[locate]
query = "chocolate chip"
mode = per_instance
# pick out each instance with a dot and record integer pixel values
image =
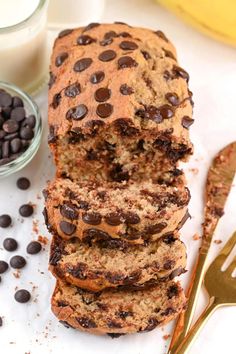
(17, 262)
(169, 264)
(2, 134)
(113, 324)
(110, 34)
(69, 211)
(10, 244)
(67, 228)
(22, 296)
(52, 79)
(3, 267)
(113, 219)
(18, 114)
(128, 45)
(169, 54)
(180, 72)
(156, 228)
(126, 62)
(105, 42)
(152, 323)
(97, 77)
(64, 323)
(85, 322)
(150, 112)
(172, 291)
(82, 64)
(10, 126)
(26, 133)
(168, 311)
(166, 75)
(15, 145)
(124, 34)
(52, 137)
(117, 174)
(5, 99)
(104, 110)
(34, 247)
(90, 26)
(64, 33)
(73, 90)
(172, 98)
(77, 113)
(5, 220)
(102, 94)
(161, 35)
(187, 122)
(85, 40)
(56, 100)
(92, 218)
(30, 121)
(166, 111)
(26, 210)
(131, 218)
(124, 314)
(126, 90)
(5, 149)
(91, 234)
(125, 127)
(23, 183)
(107, 55)
(145, 54)
(61, 58)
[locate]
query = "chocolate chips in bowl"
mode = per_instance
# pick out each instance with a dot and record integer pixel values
(20, 129)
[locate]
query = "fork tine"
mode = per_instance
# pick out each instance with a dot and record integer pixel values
(221, 258)
(232, 266)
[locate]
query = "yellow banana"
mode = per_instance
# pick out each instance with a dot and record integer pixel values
(217, 18)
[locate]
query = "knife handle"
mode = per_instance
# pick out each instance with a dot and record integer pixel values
(184, 320)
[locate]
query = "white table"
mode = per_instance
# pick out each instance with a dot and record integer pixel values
(31, 328)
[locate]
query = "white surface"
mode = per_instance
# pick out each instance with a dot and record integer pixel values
(13, 11)
(212, 68)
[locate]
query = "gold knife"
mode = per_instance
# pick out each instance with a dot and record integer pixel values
(219, 181)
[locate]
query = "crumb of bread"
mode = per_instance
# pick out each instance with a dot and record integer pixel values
(166, 336)
(217, 242)
(196, 237)
(43, 239)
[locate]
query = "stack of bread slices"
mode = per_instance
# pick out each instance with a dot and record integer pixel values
(119, 118)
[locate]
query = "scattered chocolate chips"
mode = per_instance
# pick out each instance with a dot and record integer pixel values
(84, 39)
(52, 79)
(17, 262)
(131, 218)
(23, 183)
(152, 323)
(90, 26)
(125, 127)
(104, 110)
(3, 267)
(90, 234)
(124, 34)
(67, 228)
(97, 77)
(26, 133)
(10, 126)
(166, 111)
(172, 98)
(77, 113)
(10, 244)
(114, 219)
(102, 94)
(26, 210)
(73, 90)
(187, 122)
(150, 112)
(5, 99)
(5, 220)
(56, 100)
(64, 33)
(169, 54)
(126, 90)
(34, 247)
(128, 45)
(105, 42)
(124, 314)
(52, 137)
(18, 113)
(92, 218)
(82, 64)
(126, 62)
(85, 322)
(156, 228)
(107, 55)
(145, 54)
(110, 34)
(61, 58)
(69, 211)
(180, 72)
(172, 291)
(161, 35)
(22, 296)
(169, 264)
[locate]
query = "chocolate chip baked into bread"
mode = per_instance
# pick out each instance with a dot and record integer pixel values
(119, 104)
(117, 311)
(134, 211)
(108, 264)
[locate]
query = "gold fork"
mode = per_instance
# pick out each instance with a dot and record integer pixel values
(221, 287)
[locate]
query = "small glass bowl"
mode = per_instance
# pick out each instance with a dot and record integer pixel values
(31, 108)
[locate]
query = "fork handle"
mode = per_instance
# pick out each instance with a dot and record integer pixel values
(194, 331)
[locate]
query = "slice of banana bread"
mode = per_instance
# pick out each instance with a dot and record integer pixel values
(117, 101)
(112, 264)
(134, 212)
(117, 311)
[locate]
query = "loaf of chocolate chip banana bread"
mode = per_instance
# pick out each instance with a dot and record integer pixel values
(106, 264)
(131, 211)
(115, 311)
(119, 104)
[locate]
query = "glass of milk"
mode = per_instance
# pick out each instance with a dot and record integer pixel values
(23, 43)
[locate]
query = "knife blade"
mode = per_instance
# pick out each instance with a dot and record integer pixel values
(218, 185)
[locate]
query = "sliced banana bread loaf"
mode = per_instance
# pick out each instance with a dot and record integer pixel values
(134, 212)
(118, 101)
(115, 311)
(112, 263)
